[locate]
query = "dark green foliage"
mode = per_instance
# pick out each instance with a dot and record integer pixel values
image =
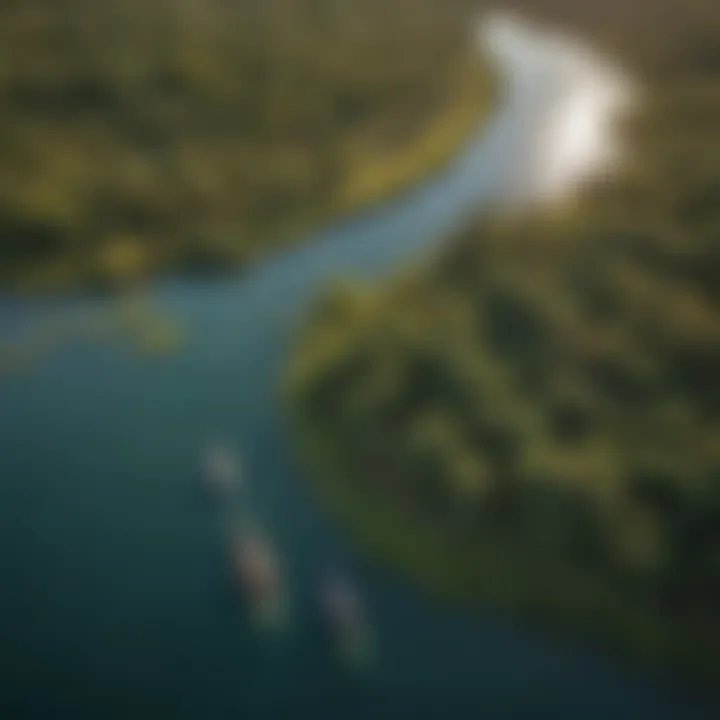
(563, 379)
(138, 136)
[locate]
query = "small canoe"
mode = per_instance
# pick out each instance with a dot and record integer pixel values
(342, 614)
(220, 468)
(257, 573)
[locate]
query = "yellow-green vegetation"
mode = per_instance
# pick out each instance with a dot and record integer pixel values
(379, 168)
(147, 330)
(138, 137)
(531, 419)
(129, 318)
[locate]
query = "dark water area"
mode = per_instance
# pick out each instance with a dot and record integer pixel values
(115, 595)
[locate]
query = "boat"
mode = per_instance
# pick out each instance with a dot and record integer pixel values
(342, 615)
(220, 468)
(257, 574)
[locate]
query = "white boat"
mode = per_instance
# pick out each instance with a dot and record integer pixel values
(343, 616)
(256, 571)
(220, 468)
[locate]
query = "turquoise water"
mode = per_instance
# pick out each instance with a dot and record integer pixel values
(115, 599)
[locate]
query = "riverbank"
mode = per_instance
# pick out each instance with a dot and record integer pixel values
(130, 319)
(241, 130)
(377, 173)
(372, 174)
(487, 573)
(535, 407)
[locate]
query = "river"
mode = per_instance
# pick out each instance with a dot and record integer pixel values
(114, 593)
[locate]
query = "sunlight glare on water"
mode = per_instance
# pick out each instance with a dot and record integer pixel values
(577, 138)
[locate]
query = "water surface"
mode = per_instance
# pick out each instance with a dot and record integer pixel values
(114, 595)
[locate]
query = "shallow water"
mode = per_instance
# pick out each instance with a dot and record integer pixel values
(115, 600)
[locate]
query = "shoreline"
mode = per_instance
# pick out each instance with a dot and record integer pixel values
(365, 184)
(480, 579)
(434, 145)
(481, 569)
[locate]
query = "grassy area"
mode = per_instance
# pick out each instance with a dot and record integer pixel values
(128, 318)
(378, 172)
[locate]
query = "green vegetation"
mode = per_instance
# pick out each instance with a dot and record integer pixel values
(129, 318)
(531, 419)
(139, 137)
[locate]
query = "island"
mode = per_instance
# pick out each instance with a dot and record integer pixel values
(170, 136)
(529, 421)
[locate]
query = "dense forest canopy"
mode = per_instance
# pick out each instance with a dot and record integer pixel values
(540, 403)
(145, 136)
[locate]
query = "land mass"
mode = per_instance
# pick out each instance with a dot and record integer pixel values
(170, 136)
(530, 420)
